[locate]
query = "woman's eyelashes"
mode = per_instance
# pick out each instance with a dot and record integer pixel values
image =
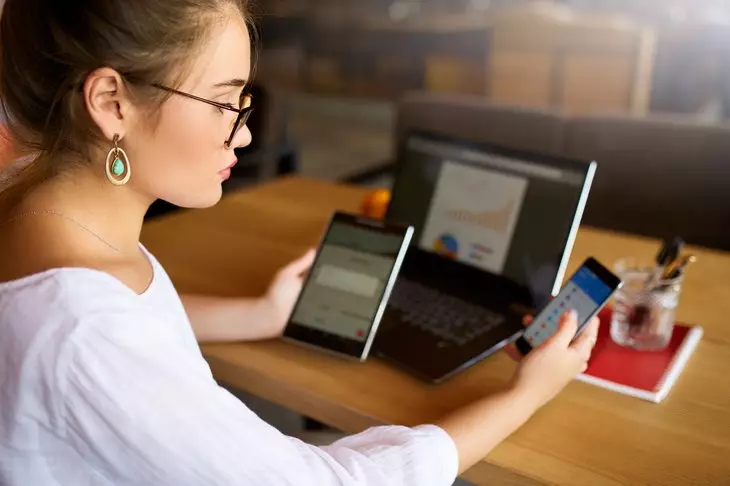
(227, 105)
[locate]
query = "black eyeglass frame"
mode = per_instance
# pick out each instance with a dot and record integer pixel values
(243, 113)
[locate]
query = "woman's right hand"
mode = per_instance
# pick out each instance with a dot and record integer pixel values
(477, 428)
(547, 369)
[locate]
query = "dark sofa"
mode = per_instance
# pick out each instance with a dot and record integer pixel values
(657, 176)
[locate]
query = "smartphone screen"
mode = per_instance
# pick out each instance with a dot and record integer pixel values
(587, 291)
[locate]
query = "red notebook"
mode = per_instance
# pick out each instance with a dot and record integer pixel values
(648, 375)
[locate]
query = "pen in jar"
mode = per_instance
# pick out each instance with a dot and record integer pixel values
(666, 257)
(676, 270)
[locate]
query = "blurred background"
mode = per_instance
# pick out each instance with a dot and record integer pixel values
(332, 71)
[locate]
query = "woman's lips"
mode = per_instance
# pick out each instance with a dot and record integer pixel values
(229, 166)
(226, 173)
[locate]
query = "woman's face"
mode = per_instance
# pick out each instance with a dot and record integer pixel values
(183, 159)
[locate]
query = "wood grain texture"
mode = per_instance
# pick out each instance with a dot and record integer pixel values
(586, 436)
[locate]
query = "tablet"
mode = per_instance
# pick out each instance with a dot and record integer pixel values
(345, 293)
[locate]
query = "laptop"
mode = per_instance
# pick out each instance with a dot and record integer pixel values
(494, 229)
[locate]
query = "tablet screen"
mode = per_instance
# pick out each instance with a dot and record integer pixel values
(348, 281)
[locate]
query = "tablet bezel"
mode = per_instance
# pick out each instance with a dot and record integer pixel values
(321, 340)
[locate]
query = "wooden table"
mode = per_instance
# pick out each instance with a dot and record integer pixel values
(586, 436)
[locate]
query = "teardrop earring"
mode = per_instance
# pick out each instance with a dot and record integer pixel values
(118, 169)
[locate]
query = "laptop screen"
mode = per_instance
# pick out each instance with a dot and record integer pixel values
(507, 214)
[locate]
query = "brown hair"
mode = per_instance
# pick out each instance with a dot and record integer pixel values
(49, 47)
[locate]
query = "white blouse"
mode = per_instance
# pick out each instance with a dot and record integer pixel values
(100, 386)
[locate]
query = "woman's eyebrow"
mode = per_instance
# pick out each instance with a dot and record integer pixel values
(232, 83)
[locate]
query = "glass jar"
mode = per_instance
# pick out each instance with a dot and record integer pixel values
(644, 308)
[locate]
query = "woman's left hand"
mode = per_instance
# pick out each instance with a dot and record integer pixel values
(285, 288)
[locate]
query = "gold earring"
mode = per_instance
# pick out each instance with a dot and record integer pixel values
(118, 169)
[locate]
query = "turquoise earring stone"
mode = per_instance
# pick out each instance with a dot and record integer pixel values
(118, 167)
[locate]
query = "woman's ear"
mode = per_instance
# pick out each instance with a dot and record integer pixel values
(108, 102)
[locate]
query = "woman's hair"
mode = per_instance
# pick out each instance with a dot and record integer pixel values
(49, 47)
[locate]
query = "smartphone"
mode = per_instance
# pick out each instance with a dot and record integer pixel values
(346, 291)
(587, 291)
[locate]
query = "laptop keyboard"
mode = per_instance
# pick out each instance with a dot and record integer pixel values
(447, 317)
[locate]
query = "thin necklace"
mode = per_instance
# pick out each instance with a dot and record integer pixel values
(61, 215)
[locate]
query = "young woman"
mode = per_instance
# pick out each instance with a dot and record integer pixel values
(118, 103)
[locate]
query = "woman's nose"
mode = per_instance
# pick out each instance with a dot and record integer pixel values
(242, 138)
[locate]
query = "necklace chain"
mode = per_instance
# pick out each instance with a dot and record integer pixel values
(37, 212)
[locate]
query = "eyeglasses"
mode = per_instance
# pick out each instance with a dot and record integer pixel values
(244, 108)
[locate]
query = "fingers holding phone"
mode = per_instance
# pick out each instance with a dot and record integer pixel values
(548, 368)
(586, 341)
(511, 349)
(587, 291)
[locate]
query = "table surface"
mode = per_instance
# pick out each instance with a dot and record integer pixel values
(586, 436)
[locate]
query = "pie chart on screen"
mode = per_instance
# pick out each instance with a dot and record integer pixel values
(446, 245)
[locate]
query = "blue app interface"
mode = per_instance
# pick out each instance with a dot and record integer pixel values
(585, 293)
